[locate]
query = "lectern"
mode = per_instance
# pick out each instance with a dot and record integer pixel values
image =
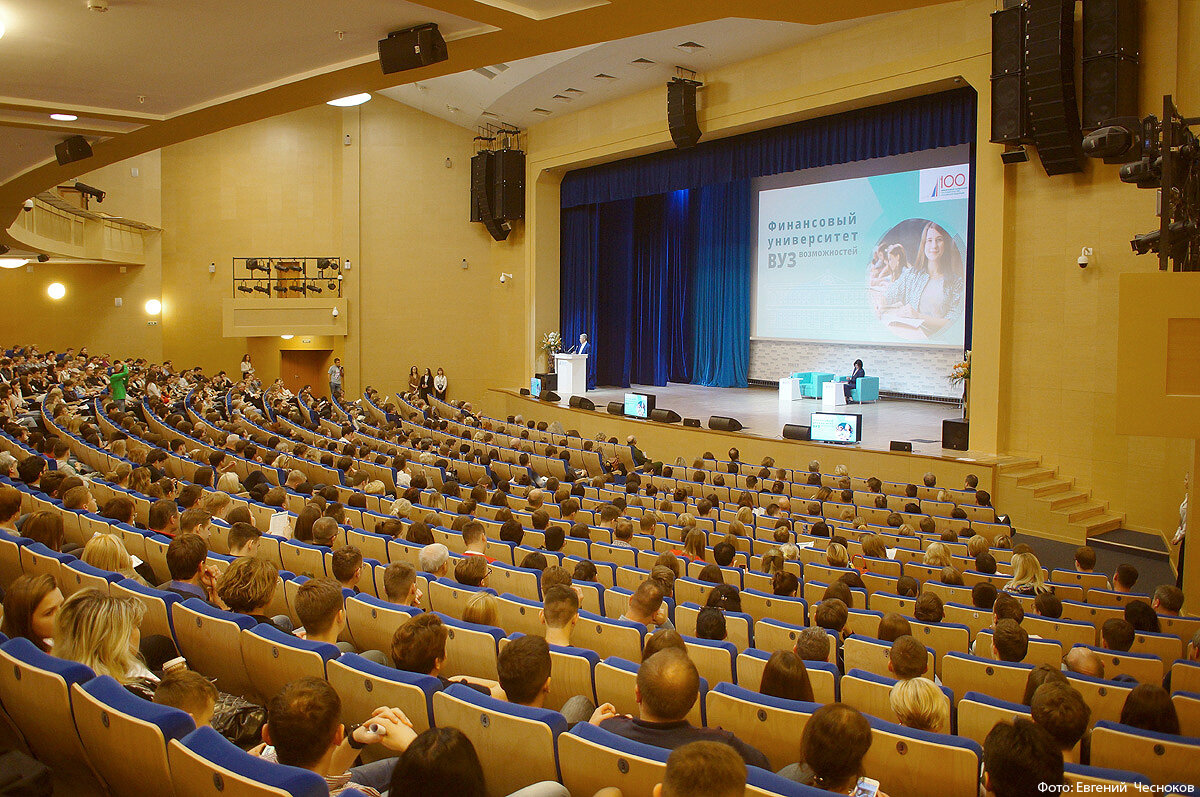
(572, 374)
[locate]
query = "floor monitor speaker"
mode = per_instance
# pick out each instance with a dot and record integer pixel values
(724, 424)
(524, 391)
(72, 149)
(410, 48)
(955, 434)
(616, 408)
(549, 395)
(693, 422)
(901, 445)
(664, 416)
(681, 112)
(582, 402)
(794, 431)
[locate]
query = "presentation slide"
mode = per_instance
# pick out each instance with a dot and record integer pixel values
(873, 259)
(637, 405)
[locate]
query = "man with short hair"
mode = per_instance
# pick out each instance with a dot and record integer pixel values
(164, 517)
(79, 499)
(646, 606)
(908, 658)
(559, 613)
(556, 576)
(324, 531)
(243, 540)
(196, 521)
(623, 533)
(1125, 578)
(10, 509)
(812, 644)
(419, 645)
(703, 769)
(1060, 709)
(1048, 605)
(471, 571)
(1085, 559)
(983, 595)
(524, 666)
(710, 624)
(1117, 634)
(892, 626)
(434, 559)
(668, 685)
(1021, 759)
(304, 729)
(400, 584)
(190, 576)
(475, 541)
(336, 376)
(1010, 642)
(346, 567)
(1168, 600)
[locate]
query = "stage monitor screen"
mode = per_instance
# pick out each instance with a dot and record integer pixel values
(638, 405)
(535, 385)
(835, 427)
(873, 252)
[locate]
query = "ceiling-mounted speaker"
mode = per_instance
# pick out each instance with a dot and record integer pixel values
(794, 431)
(582, 402)
(616, 408)
(665, 416)
(1111, 34)
(508, 191)
(483, 209)
(1050, 85)
(72, 149)
(681, 112)
(420, 45)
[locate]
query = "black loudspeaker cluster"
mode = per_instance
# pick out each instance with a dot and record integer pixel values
(681, 112)
(1033, 75)
(72, 149)
(410, 48)
(498, 189)
(901, 445)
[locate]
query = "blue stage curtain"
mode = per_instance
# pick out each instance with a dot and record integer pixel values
(680, 260)
(614, 289)
(721, 286)
(579, 262)
(936, 120)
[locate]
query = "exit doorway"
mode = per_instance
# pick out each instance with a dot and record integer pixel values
(300, 367)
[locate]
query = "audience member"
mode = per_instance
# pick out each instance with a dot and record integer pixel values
(921, 704)
(1117, 634)
(419, 645)
(1021, 759)
(1060, 709)
(1149, 707)
(188, 691)
(30, 604)
(1010, 642)
(786, 676)
(703, 769)
(835, 740)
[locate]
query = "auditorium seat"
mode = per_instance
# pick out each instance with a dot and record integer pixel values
(37, 559)
(516, 744)
(592, 759)
(978, 714)
(204, 764)
(519, 581)
(872, 655)
(771, 724)
(1106, 698)
(863, 621)
(76, 575)
(942, 638)
(765, 606)
(273, 659)
(1091, 613)
(302, 558)
(10, 558)
(1085, 779)
(1185, 676)
(1166, 647)
(1110, 597)
(1068, 633)
(823, 676)
(126, 737)
(965, 673)
(738, 625)
(364, 686)
(210, 639)
(470, 649)
(1040, 651)
(373, 621)
(912, 763)
(714, 660)
(609, 636)
(1187, 706)
(35, 690)
(888, 603)
(1160, 756)
(448, 597)
(157, 618)
(155, 546)
(871, 694)
(1142, 668)
(1183, 627)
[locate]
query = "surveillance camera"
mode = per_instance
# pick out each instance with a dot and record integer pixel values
(1085, 257)
(335, 312)
(28, 205)
(503, 278)
(1083, 261)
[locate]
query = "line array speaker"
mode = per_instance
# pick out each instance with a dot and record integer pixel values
(1111, 32)
(664, 416)
(681, 112)
(723, 424)
(1010, 118)
(616, 408)
(549, 395)
(508, 196)
(72, 149)
(792, 431)
(1050, 85)
(582, 402)
(410, 48)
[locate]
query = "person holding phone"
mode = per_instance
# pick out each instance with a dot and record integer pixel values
(832, 748)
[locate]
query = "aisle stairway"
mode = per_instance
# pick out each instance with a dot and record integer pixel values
(1046, 504)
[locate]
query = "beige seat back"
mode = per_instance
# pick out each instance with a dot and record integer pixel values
(129, 754)
(774, 731)
(588, 767)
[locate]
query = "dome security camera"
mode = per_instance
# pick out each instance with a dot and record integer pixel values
(28, 206)
(1085, 257)
(335, 312)
(505, 277)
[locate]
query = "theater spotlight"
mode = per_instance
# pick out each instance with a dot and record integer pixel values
(1144, 173)
(1118, 142)
(87, 190)
(1182, 234)
(244, 289)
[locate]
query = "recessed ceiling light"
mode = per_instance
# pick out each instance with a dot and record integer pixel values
(351, 101)
(490, 115)
(287, 337)
(487, 73)
(561, 98)
(573, 91)
(64, 117)
(12, 262)
(690, 46)
(642, 63)
(153, 306)
(542, 111)
(604, 76)
(453, 108)
(500, 67)
(56, 290)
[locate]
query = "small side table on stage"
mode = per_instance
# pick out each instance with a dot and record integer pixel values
(789, 390)
(833, 394)
(572, 374)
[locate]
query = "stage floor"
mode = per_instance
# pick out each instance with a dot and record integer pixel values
(761, 413)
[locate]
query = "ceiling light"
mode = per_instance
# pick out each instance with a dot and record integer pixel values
(604, 76)
(541, 111)
(573, 91)
(154, 307)
(642, 63)
(690, 47)
(287, 337)
(561, 98)
(12, 262)
(64, 117)
(351, 101)
(56, 290)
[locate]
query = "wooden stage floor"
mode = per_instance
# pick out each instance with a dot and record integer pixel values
(762, 415)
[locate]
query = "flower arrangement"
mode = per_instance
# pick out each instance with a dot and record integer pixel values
(551, 342)
(961, 372)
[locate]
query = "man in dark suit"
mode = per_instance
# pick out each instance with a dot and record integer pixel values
(852, 380)
(583, 345)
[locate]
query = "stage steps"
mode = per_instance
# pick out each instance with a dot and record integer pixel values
(1045, 503)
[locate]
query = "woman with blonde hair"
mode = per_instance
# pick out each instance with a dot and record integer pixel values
(217, 504)
(694, 545)
(1028, 578)
(139, 480)
(847, 514)
(481, 609)
(101, 632)
(976, 545)
(841, 470)
(737, 529)
(107, 552)
(836, 555)
(745, 515)
(918, 703)
(937, 555)
(873, 547)
(772, 561)
(686, 520)
(228, 483)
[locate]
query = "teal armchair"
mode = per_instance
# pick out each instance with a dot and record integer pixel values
(866, 389)
(811, 388)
